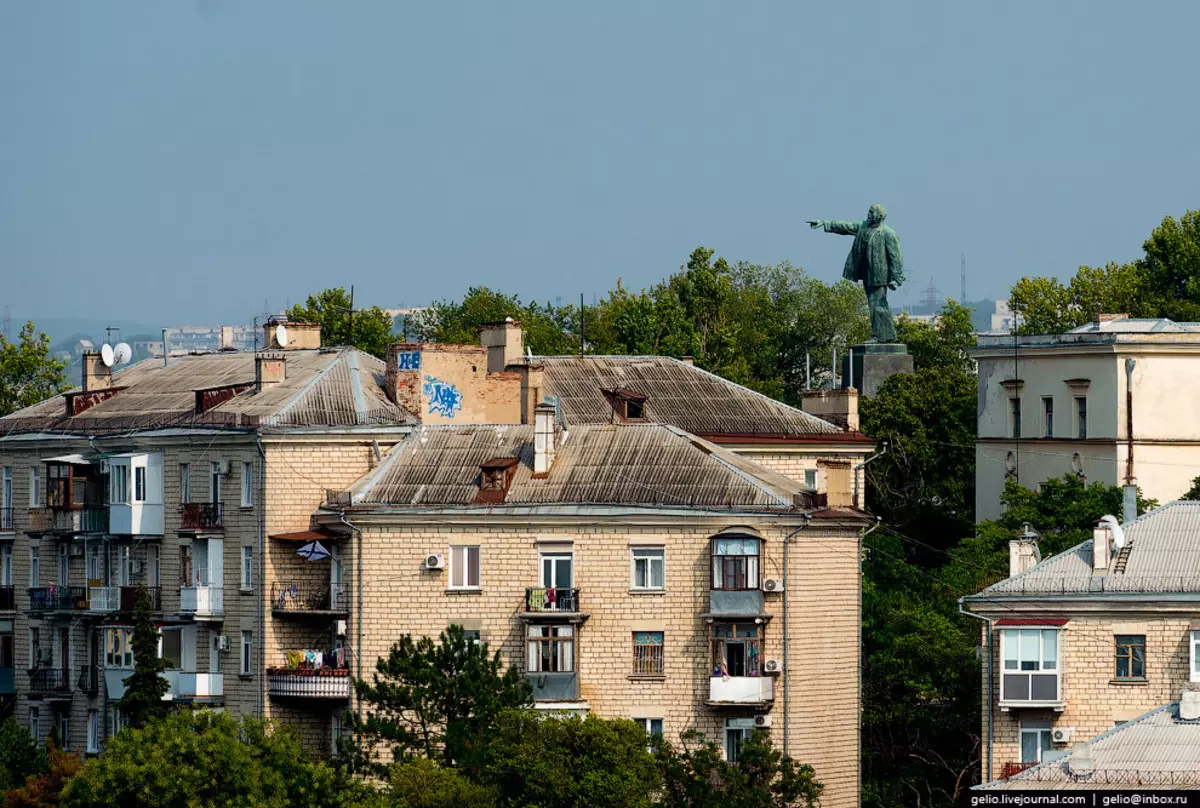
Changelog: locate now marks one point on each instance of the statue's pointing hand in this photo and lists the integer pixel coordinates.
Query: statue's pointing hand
(816, 225)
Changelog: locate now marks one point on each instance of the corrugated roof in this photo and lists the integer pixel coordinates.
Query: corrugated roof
(1163, 556)
(320, 388)
(623, 464)
(1156, 749)
(679, 394)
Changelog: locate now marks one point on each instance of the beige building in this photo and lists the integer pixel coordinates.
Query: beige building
(1089, 639)
(216, 479)
(1102, 401)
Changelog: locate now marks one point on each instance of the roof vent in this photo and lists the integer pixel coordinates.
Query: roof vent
(629, 405)
(495, 478)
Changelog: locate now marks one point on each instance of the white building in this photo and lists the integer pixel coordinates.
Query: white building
(1004, 319)
(1112, 400)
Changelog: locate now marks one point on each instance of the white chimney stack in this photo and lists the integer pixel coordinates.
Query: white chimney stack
(543, 439)
(1101, 546)
(1189, 703)
(1023, 552)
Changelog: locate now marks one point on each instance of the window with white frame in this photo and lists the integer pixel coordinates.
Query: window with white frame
(139, 484)
(654, 730)
(737, 730)
(35, 565)
(247, 652)
(648, 568)
(1030, 660)
(118, 486)
(247, 567)
(214, 489)
(93, 732)
(35, 725)
(247, 485)
(1035, 740)
(116, 721)
(735, 562)
(170, 648)
(1195, 645)
(35, 487)
(118, 647)
(810, 479)
(551, 649)
(464, 567)
(185, 482)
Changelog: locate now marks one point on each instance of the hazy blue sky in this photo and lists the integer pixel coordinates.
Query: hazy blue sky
(182, 161)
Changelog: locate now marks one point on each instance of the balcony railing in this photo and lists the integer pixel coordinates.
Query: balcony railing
(736, 657)
(121, 598)
(6, 520)
(8, 598)
(89, 680)
(551, 600)
(1030, 689)
(312, 598)
(1012, 769)
(201, 516)
(202, 601)
(189, 686)
(50, 680)
(735, 690)
(129, 598)
(90, 519)
(321, 683)
(58, 598)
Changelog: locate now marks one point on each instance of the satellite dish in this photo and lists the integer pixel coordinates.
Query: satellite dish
(106, 355)
(122, 353)
(281, 335)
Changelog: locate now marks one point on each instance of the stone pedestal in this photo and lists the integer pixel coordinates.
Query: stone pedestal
(866, 366)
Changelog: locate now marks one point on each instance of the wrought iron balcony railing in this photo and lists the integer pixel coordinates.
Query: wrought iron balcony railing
(50, 680)
(552, 600)
(201, 516)
(300, 598)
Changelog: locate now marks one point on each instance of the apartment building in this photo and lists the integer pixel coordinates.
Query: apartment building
(1088, 640)
(1101, 401)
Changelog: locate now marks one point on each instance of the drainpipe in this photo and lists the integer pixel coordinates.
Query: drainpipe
(1129, 364)
(358, 615)
(991, 683)
(261, 552)
(862, 465)
(787, 660)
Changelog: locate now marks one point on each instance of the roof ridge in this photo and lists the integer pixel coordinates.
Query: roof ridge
(288, 405)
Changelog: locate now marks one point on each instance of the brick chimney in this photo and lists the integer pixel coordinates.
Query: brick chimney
(839, 407)
(268, 369)
(505, 343)
(299, 335)
(1023, 552)
(403, 376)
(543, 439)
(227, 338)
(1101, 547)
(96, 376)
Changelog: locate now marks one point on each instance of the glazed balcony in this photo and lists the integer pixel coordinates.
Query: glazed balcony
(6, 520)
(318, 683)
(202, 517)
(310, 599)
(187, 686)
(87, 519)
(50, 682)
(202, 601)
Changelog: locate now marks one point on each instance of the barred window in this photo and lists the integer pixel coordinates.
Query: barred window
(647, 653)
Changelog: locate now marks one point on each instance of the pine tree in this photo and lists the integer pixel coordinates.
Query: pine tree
(145, 688)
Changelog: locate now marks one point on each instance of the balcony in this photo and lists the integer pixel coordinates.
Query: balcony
(6, 520)
(553, 604)
(310, 599)
(58, 598)
(740, 691)
(202, 601)
(562, 686)
(89, 680)
(321, 683)
(186, 686)
(121, 598)
(1013, 769)
(88, 519)
(50, 682)
(1033, 690)
(737, 671)
(8, 598)
(201, 517)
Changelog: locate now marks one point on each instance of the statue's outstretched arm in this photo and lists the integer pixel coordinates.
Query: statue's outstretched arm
(841, 228)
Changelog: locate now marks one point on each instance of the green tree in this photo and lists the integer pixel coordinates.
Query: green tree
(1172, 266)
(548, 330)
(369, 330)
(28, 373)
(943, 344)
(697, 776)
(145, 687)
(423, 783)
(435, 700)
(44, 789)
(1046, 306)
(1193, 493)
(569, 762)
(206, 758)
(19, 756)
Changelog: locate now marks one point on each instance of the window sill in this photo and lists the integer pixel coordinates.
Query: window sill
(647, 591)
(245, 507)
(1136, 682)
(245, 677)
(647, 677)
(243, 591)
(464, 590)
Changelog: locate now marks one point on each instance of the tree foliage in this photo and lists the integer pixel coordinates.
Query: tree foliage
(696, 775)
(44, 789)
(423, 783)
(548, 329)
(19, 755)
(435, 700)
(369, 330)
(943, 344)
(145, 687)
(28, 373)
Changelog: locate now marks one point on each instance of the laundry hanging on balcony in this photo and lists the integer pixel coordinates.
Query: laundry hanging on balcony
(313, 551)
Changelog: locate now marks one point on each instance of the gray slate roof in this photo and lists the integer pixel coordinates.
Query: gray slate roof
(1156, 749)
(1163, 556)
(622, 464)
(322, 388)
(679, 394)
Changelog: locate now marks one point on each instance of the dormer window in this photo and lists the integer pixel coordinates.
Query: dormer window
(628, 405)
(495, 477)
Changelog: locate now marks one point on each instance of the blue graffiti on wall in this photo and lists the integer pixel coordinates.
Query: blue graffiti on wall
(408, 360)
(444, 398)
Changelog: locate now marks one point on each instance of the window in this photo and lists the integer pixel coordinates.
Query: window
(654, 729)
(737, 730)
(1035, 739)
(1195, 656)
(735, 563)
(155, 565)
(635, 409)
(1131, 656)
(551, 649)
(473, 635)
(185, 482)
(247, 485)
(1047, 417)
(557, 570)
(1081, 416)
(648, 568)
(118, 484)
(247, 652)
(139, 484)
(214, 653)
(35, 487)
(464, 567)
(736, 649)
(35, 725)
(93, 732)
(647, 653)
(35, 646)
(95, 565)
(1030, 660)
(215, 482)
(337, 731)
(810, 479)
(118, 648)
(116, 721)
(1014, 417)
(64, 565)
(6, 565)
(64, 730)
(35, 565)
(247, 568)
(171, 648)
(7, 502)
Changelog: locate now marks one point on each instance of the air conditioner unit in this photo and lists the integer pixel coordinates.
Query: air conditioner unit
(762, 721)
(773, 666)
(435, 561)
(1061, 734)
(772, 585)
(223, 642)
(223, 468)
(340, 628)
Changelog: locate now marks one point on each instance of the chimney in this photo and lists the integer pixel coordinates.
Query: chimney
(1023, 552)
(1189, 703)
(227, 338)
(1107, 318)
(268, 370)
(96, 375)
(533, 381)
(1101, 547)
(505, 343)
(839, 407)
(1129, 503)
(543, 439)
(298, 335)
(690, 361)
(403, 376)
